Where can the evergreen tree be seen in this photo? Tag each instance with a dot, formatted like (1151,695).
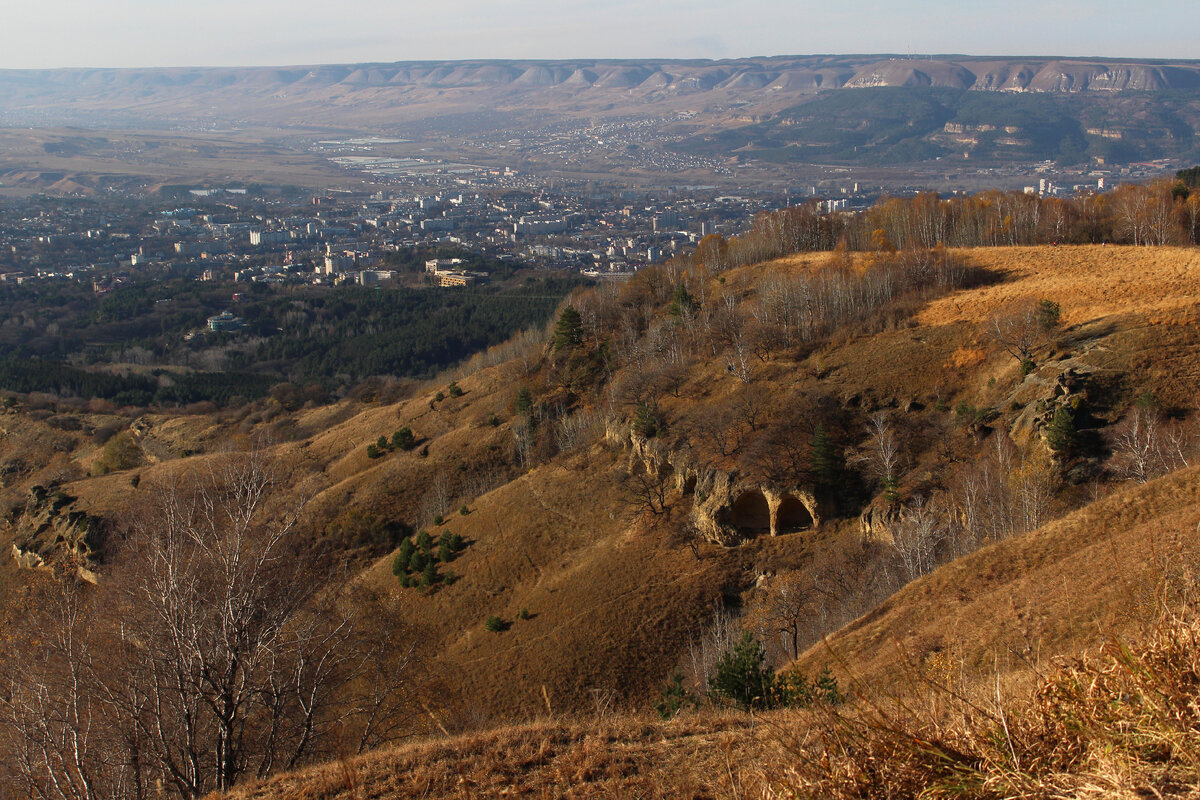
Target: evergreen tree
(523,405)
(822,457)
(647,421)
(429,575)
(674,696)
(403,557)
(403,439)
(681,302)
(742,675)
(568,332)
(424,542)
(1061,433)
(445,554)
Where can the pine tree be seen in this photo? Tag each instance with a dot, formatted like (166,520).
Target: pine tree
(568,332)
(674,696)
(403,557)
(822,458)
(403,439)
(424,542)
(1061,433)
(429,574)
(523,405)
(743,676)
(681,302)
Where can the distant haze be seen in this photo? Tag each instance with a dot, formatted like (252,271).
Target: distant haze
(128,33)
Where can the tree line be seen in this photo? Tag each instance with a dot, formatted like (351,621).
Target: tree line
(1162,212)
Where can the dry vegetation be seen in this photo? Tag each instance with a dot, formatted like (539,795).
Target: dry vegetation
(602,593)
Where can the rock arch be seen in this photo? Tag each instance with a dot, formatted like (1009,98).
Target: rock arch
(751,512)
(792,515)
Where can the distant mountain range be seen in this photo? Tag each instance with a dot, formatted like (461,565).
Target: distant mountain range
(778,108)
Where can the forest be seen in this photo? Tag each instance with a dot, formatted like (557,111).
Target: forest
(145,343)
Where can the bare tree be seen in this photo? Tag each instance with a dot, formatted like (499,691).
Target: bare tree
(916,537)
(212,653)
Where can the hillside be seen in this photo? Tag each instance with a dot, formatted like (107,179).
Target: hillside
(611,509)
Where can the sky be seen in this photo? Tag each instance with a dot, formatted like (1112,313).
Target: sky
(160,33)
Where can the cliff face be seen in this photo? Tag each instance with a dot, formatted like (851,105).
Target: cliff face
(727,508)
(392,91)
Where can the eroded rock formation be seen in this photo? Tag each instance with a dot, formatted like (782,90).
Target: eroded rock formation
(727,508)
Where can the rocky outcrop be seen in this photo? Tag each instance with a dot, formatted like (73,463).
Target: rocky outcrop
(48,530)
(727,508)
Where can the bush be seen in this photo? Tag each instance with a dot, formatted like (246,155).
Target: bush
(495,624)
(439,397)
(493,420)
(429,575)
(438,519)
(373,451)
(455,390)
(445,554)
(524,615)
(456,543)
(463,510)
(120,452)
(424,542)
(743,677)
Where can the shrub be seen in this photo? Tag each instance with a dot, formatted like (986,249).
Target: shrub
(456,543)
(493,420)
(429,574)
(742,675)
(463,510)
(438,519)
(495,624)
(424,542)
(373,451)
(455,390)
(439,397)
(1027,366)
(445,554)
(524,615)
(120,452)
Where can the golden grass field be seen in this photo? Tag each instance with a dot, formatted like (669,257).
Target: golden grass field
(614,595)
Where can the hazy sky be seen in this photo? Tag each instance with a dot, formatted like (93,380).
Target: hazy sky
(78,33)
